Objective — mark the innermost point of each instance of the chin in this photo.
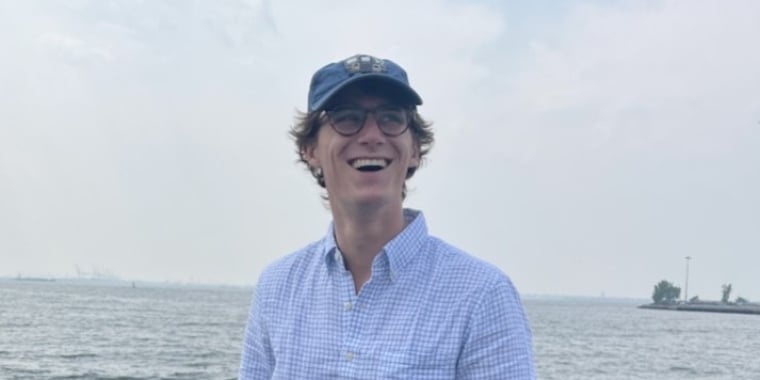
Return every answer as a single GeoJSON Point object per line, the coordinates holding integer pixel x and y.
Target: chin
{"type": "Point", "coordinates": [376, 198]}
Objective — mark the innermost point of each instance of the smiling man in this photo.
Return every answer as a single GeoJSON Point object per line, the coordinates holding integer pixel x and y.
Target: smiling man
{"type": "Point", "coordinates": [378, 297]}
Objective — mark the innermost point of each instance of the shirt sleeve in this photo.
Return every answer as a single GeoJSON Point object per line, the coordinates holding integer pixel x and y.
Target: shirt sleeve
{"type": "Point", "coordinates": [498, 344]}
{"type": "Point", "coordinates": [257, 361]}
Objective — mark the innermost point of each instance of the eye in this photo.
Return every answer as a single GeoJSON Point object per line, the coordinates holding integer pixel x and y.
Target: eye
{"type": "Point", "coordinates": [395, 116]}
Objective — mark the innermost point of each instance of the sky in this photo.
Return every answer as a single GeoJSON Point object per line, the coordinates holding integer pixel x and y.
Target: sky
{"type": "Point", "coordinates": [583, 147]}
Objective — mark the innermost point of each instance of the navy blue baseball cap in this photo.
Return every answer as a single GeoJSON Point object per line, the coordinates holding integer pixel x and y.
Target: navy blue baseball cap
{"type": "Point", "coordinates": [334, 77]}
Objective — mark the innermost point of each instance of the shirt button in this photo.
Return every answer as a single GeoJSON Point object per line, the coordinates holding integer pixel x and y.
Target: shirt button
{"type": "Point", "coordinates": [348, 306]}
{"type": "Point", "coordinates": [349, 356]}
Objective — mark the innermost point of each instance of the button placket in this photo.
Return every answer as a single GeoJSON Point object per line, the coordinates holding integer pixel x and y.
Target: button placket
{"type": "Point", "coordinates": [347, 309]}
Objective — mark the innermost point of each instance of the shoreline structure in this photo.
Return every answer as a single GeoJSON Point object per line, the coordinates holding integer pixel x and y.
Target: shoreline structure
{"type": "Point", "coordinates": [712, 307]}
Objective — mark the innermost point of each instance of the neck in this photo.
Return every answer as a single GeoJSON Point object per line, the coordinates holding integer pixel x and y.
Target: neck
{"type": "Point", "coordinates": [362, 233]}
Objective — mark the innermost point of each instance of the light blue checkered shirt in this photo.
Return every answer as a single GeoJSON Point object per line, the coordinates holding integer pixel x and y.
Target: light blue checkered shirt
{"type": "Point", "coordinates": [429, 311]}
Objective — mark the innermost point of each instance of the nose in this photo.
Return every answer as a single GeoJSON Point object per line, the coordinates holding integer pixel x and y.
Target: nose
{"type": "Point", "coordinates": [370, 132]}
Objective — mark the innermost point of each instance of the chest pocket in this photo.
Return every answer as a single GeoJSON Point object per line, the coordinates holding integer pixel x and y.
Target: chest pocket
{"type": "Point", "coordinates": [415, 365]}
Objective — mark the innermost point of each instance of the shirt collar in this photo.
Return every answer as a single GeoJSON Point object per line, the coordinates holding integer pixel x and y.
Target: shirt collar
{"type": "Point", "coordinates": [332, 256]}
{"type": "Point", "coordinates": [400, 251]}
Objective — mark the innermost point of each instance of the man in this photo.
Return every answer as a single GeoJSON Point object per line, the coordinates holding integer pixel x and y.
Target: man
{"type": "Point", "coordinates": [377, 297]}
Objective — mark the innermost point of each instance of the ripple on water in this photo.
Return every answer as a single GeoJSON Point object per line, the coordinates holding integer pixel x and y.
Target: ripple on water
{"type": "Point", "coordinates": [684, 370]}
{"type": "Point", "coordinates": [78, 356]}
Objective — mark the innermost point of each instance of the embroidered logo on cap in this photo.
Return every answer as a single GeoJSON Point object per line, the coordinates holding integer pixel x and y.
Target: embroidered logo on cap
{"type": "Point", "coordinates": [364, 64]}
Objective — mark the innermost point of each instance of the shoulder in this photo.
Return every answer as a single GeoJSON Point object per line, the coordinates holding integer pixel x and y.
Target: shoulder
{"type": "Point", "coordinates": [455, 264]}
{"type": "Point", "coordinates": [287, 270]}
{"type": "Point", "coordinates": [454, 278]}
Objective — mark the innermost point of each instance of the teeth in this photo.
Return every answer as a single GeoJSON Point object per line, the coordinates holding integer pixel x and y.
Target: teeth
{"type": "Point", "coordinates": [365, 162]}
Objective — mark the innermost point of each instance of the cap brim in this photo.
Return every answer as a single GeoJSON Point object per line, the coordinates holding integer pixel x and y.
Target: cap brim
{"type": "Point", "coordinates": [404, 90]}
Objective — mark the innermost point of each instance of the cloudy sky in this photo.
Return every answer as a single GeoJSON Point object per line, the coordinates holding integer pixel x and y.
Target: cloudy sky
{"type": "Point", "coordinates": [585, 147]}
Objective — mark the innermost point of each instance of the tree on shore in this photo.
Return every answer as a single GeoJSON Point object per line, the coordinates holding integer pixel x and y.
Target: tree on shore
{"type": "Point", "coordinates": [665, 292]}
{"type": "Point", "coordinates": [726, 293]}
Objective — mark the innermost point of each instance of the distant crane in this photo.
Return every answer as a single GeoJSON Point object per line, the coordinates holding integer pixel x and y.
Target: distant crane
{"type": "Point", "coordinates": [686, 285]}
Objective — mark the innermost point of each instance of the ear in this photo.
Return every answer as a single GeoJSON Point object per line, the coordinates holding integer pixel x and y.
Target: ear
{"type": "Point", "coordinates": [415, 159]}
{"type": "Point", "coordinates": [309, 154]}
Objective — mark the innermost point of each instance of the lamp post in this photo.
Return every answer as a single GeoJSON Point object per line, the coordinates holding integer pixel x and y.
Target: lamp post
{"type": "Point", "coordinates": [686, 286]}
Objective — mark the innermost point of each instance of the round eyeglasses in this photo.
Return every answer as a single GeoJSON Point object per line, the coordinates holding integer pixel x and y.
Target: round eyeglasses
{"type": "Point", "coordinates": [349, 120]}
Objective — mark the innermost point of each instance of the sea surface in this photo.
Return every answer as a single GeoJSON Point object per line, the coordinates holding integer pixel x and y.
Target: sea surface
{"type": "Point", "coordinates": [59, 330]}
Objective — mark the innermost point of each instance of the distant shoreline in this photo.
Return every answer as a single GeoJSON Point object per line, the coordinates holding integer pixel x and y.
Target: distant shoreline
{"type": "Point", "coordinates": [115, 282]}
{"type": "Point", "coordinates": [706, 307]}
{"type": "Point", "coordinates": [33, 279]}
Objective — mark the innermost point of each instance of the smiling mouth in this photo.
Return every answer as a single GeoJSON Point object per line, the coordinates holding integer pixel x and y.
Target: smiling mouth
{"type": "Point", "coordinates": [369, 164]}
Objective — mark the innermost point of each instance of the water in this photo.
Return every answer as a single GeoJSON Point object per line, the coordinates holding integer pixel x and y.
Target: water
{"type": "Point", "coordinates": [65, 331]}
{"type": "Point", "coordinates": [74, 331]}
{"type": "Point", "coordinates": [598, 339]}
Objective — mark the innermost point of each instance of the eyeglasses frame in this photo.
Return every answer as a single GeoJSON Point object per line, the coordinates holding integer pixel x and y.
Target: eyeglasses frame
{"type": "Point", "coordinates": [407, 111]}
